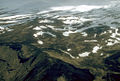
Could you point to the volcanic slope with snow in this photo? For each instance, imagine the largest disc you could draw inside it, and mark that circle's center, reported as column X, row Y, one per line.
column 84, row 35
column 71, row 20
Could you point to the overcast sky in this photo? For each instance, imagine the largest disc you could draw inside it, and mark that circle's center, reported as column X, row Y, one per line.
column 26, row 5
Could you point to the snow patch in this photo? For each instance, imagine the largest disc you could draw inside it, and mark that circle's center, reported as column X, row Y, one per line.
column 96, row 48
column 110, row 31
column 103, row 33
column 67, row 33
column 115, row 34
column 115, row 37
column 111, row 43
column 49, row 26
column 72, row 22
column 68, row 54
column 95, row 35
column 101, row 54
column 84, row 34
column 1, row 28
column 85, row 54
column 50, row 34
column 37, row 28
column 90, row 41
column 38, row 33
column 46, row 21
column 40, row 42
column 69, row 49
